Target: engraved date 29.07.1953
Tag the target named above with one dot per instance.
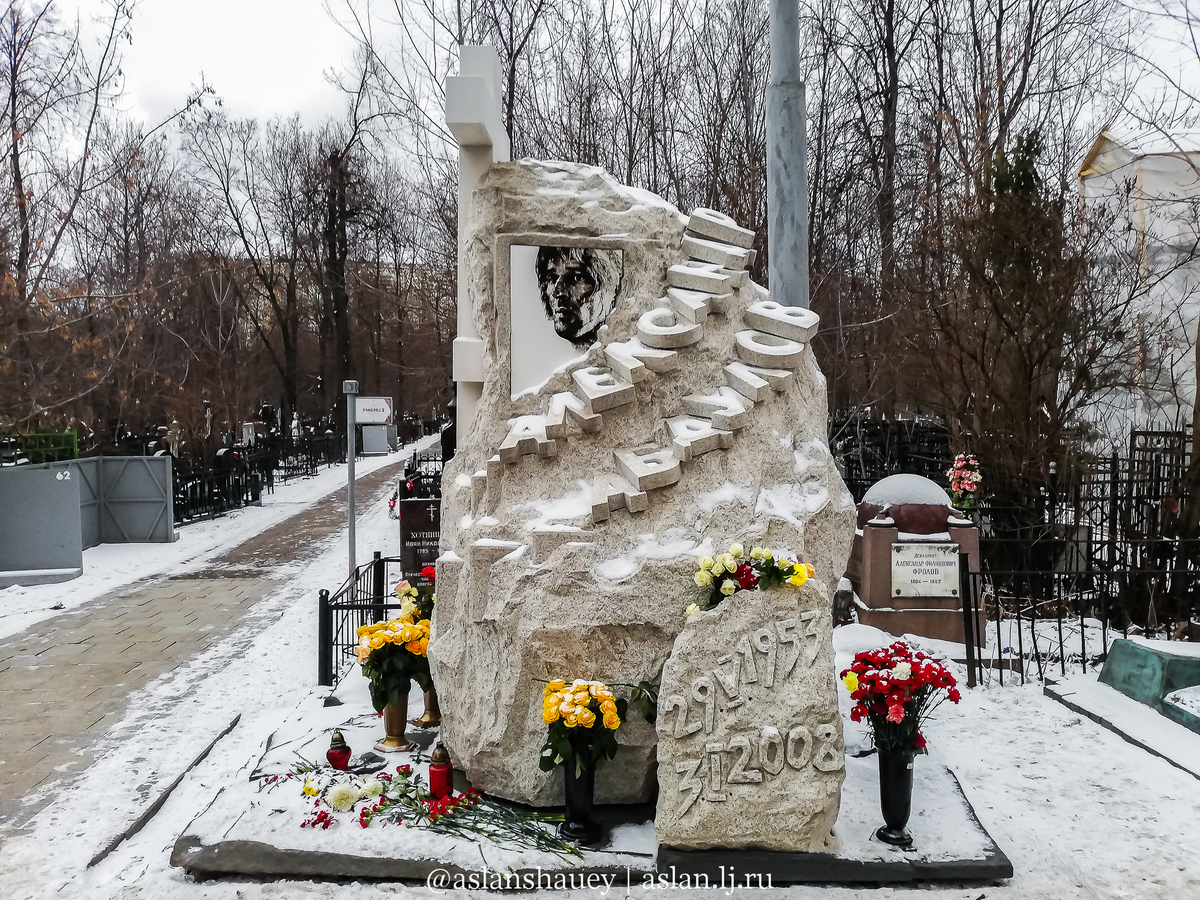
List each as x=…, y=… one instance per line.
x=759, y=752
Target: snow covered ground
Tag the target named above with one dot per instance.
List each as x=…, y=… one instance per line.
x=1080, y=812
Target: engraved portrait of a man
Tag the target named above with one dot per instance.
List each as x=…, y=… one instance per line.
x=578, y=288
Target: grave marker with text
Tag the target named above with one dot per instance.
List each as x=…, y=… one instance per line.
x=749, y=737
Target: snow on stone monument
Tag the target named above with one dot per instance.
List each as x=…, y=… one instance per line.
x=643, y=404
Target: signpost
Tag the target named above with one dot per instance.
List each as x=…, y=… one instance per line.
x=925, y=569
x=350, y=389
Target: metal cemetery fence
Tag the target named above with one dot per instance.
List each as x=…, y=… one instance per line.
x=364, y=598
x=240, y=475
x=1074, y=558
x=205, y=494
x=1046, y=622
x=422, y=476
x=283, y=458
x=872, y=449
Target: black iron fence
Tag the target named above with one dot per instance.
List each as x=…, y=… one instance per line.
x=872, y=449
x=1116, y=521
x=206, y=494
x=1042, y=623
x=365, y=597
x=282, y=458
x=240, y=475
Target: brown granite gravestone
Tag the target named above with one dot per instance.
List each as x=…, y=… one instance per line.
x=905, y=520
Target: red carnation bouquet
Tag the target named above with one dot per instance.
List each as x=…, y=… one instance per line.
x=896, y=690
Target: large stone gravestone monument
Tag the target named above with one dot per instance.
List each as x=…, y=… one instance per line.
x=643, y=404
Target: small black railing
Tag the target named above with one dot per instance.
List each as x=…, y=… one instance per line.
x=200, y=495
x=1041, y=623
x=284, y=458
x=365, y=597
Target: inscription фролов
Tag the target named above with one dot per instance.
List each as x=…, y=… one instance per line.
x=925, y=569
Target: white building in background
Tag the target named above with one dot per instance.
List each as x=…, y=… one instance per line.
x=1153, y=182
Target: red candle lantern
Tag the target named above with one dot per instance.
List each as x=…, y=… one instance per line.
x=441, y=773
x=338, y=753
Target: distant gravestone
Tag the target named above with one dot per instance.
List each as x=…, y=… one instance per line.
x=749, y=736
x=905, y=561
x=420, y=527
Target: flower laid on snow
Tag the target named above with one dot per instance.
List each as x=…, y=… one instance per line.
x=375, y=788
x=736, y=570
x=342, y=796
x=320, y=819
x=571, y=713
x=896, y=689
x=692, y=609
x=403, y=799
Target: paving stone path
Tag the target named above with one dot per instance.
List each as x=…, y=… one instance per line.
x=67, y=680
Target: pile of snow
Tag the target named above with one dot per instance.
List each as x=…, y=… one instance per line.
x=905, y=490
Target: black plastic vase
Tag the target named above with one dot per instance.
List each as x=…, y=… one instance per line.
x=895, y=797
x=578, y=824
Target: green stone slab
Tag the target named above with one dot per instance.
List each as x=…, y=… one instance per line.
x=1182, y=716
x=1148, y=673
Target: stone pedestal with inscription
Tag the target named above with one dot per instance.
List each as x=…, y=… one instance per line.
x=904, y=564
x=749, y=737
x=644, y=403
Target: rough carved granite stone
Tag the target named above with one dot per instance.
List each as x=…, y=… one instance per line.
x=573, y=515
x=749, y=737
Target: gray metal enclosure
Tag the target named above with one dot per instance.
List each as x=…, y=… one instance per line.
x=112, y=500
x=124, y=499
x=39, y=526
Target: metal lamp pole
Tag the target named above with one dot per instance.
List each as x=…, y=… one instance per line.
x=350, y=389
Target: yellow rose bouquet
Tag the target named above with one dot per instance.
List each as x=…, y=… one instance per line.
x=393, y=653
x=582, y=718
x=734, y=570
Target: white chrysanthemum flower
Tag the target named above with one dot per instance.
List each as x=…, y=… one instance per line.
x=343, y=796
x=374, y=789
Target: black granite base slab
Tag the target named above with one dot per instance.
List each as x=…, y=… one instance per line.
x=244, y=832
x=752, y=868
x=261, y=860
x=765, y=868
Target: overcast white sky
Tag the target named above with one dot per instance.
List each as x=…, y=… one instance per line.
x=271, y=57
x=263, y=57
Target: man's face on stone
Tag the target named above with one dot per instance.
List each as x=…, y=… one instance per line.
x=567, y=289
